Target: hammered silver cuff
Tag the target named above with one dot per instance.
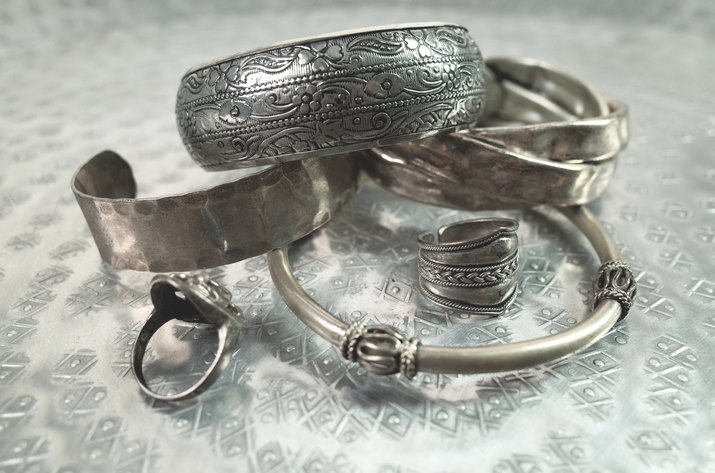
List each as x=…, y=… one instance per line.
x=331, y=94
x=211, y=227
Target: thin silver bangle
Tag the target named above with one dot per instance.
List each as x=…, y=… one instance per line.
x=384, y=350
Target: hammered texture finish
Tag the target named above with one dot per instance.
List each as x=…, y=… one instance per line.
x=206, y=228
x=80, y=77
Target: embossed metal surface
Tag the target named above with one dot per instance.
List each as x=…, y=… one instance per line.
x=329, y=94
x=85, y=77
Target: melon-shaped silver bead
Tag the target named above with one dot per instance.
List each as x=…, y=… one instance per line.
x=379, y=349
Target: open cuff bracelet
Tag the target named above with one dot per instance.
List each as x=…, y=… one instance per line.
x=211, y=227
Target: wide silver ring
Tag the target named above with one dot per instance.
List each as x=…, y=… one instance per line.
x=331, y=94
x=470, y=265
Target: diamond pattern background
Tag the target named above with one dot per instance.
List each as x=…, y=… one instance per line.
x=81, y=76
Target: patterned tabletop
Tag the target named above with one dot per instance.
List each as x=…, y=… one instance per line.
x=83, y=76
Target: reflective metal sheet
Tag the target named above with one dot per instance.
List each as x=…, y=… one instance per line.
x=79, y=78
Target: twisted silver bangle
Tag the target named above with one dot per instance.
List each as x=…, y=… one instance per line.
x=540, y=126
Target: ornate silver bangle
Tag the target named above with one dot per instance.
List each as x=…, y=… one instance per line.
x=384, y=350
x=567, y=137
x=210, y=227
x=331, y=94
x=470, y=265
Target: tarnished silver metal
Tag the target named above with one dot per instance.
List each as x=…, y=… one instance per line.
x=470, y=265
x=562, y=151
x=615, y=281
x=379, y=353
x=349, y=338
x=83, y=76
x=531, y=91
x=189, y=299
x=408, y=357
x=380, y=349
x=210, y=227
x=331, y=94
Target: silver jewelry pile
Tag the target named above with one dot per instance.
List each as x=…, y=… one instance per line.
x=420, y=111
